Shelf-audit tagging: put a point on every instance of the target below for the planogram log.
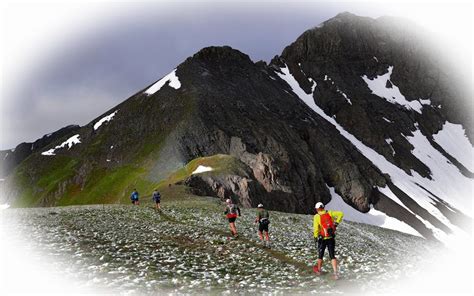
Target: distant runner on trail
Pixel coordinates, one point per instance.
(325, 224)
(263, 220)
(231, 212)
(134, 197)
(157, 199)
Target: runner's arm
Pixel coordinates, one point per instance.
(316, 226)
(337, 216)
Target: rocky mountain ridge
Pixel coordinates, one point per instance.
(348, 113)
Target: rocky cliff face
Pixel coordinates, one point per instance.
(285, 153)
(348, 115)
(347, 48)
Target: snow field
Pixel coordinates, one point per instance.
(452, 138)
(202, 169)
(447, 182)
(173, 80)
(104, 119)
(392, 94)
(69, 143)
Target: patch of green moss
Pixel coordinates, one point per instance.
(221, 164)
(108, 186)
(62, 169)
(26, 197)
(55, 171)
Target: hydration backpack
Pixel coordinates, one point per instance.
(327, 225)
(232, 211)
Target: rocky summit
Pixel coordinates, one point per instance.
(356, 113)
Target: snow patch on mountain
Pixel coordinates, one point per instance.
(171, 78)
(345, 96)
(69, 143)
(49, 152)
(202, 169)
(392, 94)
(389, 142)
(425, 102)
(447, 181)
(452, 138)
(373, 217)
(449, 185)
(327, 78)
(307, 99)
(104, 119)
(388, 193)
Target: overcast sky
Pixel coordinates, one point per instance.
(66, 64)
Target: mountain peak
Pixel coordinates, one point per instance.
(217, 54)
(346, 15)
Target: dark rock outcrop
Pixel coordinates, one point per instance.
(338, 53)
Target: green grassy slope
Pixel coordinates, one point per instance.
(59, 169)
(110, 185)
(221, 164)
(91, 171)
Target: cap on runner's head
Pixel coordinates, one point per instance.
(228, 201)
(319, 205)
(260, 206)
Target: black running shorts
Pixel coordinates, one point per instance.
(262, 227)
(330, 244)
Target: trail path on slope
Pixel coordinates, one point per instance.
(274, 253)
(136, 250)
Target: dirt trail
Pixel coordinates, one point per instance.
(302, 267)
